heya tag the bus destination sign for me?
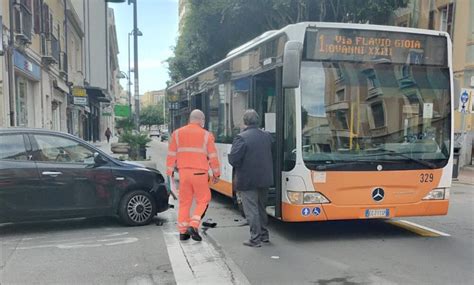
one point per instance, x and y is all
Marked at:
(375, 46)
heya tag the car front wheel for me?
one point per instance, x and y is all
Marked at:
(137, 208)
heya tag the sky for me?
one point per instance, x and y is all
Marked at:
(158, 21)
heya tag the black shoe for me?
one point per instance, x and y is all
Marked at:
(184, 236)
(193, 232)
(265, 240)
(209, 224)
(251, 244)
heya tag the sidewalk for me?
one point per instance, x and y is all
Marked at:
(105, 146)
(466, 175)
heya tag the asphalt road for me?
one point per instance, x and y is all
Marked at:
(102, 251)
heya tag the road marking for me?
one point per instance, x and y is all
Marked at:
(198, 262)
(418, 229)
(84, 244)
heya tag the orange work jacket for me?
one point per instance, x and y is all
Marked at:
(192, 147)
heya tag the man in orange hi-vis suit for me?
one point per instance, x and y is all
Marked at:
(192, 151)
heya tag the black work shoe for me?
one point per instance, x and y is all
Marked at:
(184, 236)
(193, 232)
(265, 240)
(252, 244)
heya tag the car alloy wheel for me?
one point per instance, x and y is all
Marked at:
(139, 209)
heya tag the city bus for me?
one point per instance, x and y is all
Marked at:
(361, 116)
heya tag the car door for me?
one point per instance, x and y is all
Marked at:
(19, 177)
(71, 182)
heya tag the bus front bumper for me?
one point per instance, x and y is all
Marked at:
(327, 212)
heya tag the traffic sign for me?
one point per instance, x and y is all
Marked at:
(466, 99)
(305, 211)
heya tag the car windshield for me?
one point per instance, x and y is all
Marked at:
(354, 111)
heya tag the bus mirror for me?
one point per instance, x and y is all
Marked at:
(291, 64)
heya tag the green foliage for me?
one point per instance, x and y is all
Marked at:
(152, 115)
(213, 28)
(136, 141)
(125, 123)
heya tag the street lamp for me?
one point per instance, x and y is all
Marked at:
(135, 55)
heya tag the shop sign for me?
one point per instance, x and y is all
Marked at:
(122, 110)
(80, 96)
(80, 101)
(24, 64)
(106, 110)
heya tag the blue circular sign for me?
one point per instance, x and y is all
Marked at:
(305, 211)
(464, 97)
(316, 211)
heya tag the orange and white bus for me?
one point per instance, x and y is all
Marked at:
(361, 116)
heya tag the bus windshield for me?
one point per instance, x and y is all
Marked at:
(358, 113)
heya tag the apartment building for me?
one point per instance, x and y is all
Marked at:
(62, 60)
(152, 98)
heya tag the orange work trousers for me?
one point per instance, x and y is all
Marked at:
(193, 184)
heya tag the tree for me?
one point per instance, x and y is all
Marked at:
(152, 115)
(213, 28)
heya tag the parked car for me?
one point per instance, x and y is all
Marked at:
(164, 137)
(46, 174)
(154, 133)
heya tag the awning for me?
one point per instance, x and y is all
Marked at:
(95, 93)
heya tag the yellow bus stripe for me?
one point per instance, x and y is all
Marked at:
(417, 229)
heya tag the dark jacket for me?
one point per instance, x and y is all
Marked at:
(251, 157)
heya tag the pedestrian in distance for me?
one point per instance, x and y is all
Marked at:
(108, 133)
(192, 151)
(251, 158)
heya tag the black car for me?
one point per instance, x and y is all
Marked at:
(164, 136)
(46, 174)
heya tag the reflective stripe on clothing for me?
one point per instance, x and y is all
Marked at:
(191, 149)
(192, 145)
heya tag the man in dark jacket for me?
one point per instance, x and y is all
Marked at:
(251, 157)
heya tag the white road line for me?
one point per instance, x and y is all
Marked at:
(426, 228)
(198, 262)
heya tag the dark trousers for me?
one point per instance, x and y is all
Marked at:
(253, 202)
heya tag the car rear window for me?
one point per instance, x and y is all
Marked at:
(12, 147)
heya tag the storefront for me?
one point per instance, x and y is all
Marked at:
(95, 97)
(28, 108)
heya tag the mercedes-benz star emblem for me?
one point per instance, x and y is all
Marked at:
(378, 194)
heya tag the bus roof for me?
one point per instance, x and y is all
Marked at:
(302, 26)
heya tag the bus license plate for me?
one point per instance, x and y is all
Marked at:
(377, 213)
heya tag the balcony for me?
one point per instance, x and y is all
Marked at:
(47, 52)
(23, 24)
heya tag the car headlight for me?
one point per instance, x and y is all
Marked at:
(314, 198)
(437, 194)
(306, 198)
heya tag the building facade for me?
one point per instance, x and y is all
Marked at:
(152, 98)
(457, 18)
(56, 67)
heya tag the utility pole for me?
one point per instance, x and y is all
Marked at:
(135, 65)
(11, 70)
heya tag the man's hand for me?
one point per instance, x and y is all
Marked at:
(215, 179)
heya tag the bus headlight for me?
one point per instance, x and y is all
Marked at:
(314, 198)
(295, 197)
(300, 198)
(437, 194)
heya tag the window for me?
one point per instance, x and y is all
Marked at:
(12, 147)
(431, 20)
(341, 116)
(23, 18)
(446, 21)
(341, 95)
(378, 114)
(58, 149)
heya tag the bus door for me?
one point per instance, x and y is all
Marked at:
(266, 99)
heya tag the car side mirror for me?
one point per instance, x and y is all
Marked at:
(99, 159)
(291, 64)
